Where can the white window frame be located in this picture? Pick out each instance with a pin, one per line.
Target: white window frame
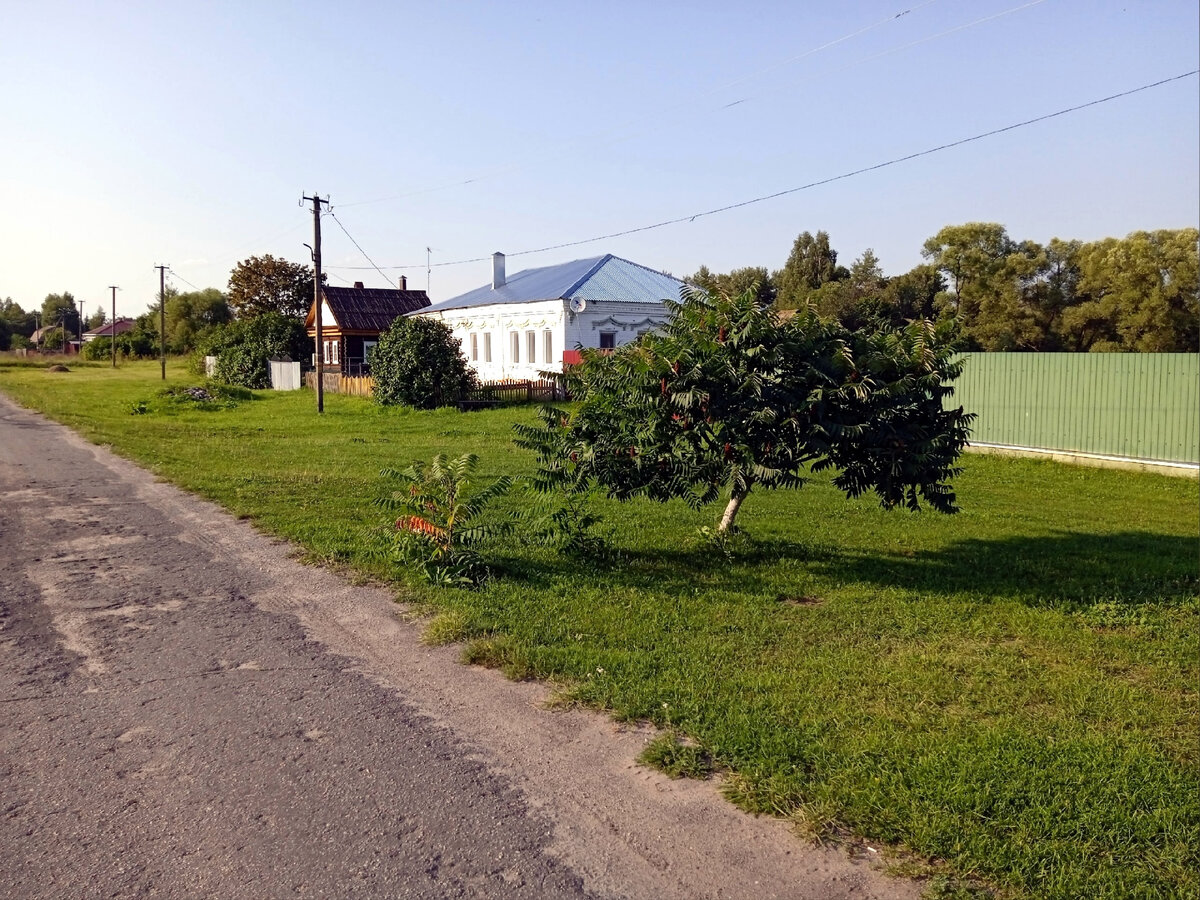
(548, 345)
(514, 341)
(368, 346)
(531, 347)
(487, 346)
(474, 347)
(611, 334)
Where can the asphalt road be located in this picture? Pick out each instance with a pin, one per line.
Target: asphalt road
(162, 735)
(185, 711)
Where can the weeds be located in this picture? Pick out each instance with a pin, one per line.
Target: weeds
(444, 525)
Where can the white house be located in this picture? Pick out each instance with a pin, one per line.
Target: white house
(537, 319)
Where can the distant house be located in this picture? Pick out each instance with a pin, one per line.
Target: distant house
(108, 329)
(353, 318)
(537, 319)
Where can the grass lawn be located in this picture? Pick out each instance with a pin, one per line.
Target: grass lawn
(1013, 690)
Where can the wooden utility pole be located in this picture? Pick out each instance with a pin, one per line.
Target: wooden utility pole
(317, 300)
(112, 328)
(162, 318)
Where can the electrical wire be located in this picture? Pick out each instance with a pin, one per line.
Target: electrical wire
(812, 184)
(175, 274)
(710, 92)
(360, 249)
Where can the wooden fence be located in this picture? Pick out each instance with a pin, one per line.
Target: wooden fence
(488, 394)
(507, 393)
(335, 383)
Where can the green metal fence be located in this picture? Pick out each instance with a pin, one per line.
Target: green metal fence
(1134, 405)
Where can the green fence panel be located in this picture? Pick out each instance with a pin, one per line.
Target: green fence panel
(1135, 405)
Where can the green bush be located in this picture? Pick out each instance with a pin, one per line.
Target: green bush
(243, 347)
(137, 344)
(418, 362)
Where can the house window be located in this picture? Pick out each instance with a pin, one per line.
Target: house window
(368, 349)
(608, 340)
(531, 347)
(474, 347)
(515, 340)
(330, 352)
(548, 345)
(487, 346)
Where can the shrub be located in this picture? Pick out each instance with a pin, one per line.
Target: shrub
(442, 525)
(243, 347)
(418, 362)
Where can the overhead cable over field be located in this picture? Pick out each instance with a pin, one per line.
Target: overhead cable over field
(804, 187)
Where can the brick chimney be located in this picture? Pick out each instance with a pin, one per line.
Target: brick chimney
(358, 285)
(497, 270)
(404, 282)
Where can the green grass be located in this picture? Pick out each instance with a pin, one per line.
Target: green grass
(1012, 690)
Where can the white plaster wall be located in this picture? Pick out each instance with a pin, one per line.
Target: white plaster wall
(502, 321)
(568, 330)
(626, 320)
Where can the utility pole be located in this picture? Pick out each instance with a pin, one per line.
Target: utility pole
(316, 249)
(112, 328)
(162, 318)
(428, 269)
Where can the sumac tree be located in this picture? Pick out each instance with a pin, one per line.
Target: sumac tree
(728, 398)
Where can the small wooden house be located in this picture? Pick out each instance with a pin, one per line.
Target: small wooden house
(353, 318)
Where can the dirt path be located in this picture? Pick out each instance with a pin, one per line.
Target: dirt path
(185, 710)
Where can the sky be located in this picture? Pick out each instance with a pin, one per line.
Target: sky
(185, 133)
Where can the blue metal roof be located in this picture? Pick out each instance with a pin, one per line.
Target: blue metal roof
(607, 278)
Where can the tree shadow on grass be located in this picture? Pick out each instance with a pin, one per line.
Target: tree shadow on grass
(1060, 569)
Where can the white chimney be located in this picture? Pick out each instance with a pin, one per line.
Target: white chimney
(497, 270)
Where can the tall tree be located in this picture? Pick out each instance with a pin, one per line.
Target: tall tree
(192, 315)
(990, 274)
(727, 398)
(98, 318)
(16, 319)
(263, 284)
(1138, 293)
(811, 264)
(58, 309)
(917, 294)
(736, 282)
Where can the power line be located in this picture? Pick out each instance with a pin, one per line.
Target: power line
(175, 274)
(812, 184)
(742, 80)
(902, 47)
(360, 249)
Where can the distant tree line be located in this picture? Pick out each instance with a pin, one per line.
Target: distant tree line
(261, 313)
(1137, 293)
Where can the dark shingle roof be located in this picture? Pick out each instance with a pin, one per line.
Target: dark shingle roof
(371, 309)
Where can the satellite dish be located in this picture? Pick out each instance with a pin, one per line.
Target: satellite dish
(577, 305)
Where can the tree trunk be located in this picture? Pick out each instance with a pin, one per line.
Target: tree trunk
(731, 511)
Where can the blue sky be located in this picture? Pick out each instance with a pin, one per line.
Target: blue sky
(185, 133)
